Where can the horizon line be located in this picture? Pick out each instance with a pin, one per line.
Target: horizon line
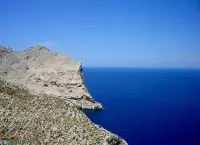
(144, 67)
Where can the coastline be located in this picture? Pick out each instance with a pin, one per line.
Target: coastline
(39, 85)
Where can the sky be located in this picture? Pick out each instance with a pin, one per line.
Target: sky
(107, 33)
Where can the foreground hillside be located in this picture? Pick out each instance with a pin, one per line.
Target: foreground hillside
(41, 98)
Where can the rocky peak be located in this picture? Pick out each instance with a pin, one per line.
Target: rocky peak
(5, 49)
(36, 51)
(7, 59)
(36, 55)
(37, 48)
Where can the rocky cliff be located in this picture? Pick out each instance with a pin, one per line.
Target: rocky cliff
(42, 72)
(41, 96)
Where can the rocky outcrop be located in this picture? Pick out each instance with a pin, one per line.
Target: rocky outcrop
(41, 97)
(42, 72)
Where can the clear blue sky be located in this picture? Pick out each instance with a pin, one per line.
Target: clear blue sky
(141, 33)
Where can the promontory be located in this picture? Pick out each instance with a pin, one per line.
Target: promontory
(42, 95)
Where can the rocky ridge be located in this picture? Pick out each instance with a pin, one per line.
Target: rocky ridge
(41, 97)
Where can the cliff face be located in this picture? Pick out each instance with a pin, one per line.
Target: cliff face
(40, 99)
(42, 72)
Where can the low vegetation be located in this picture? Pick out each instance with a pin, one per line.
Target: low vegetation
(28, 119)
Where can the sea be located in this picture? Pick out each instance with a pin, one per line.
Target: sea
(147, 106)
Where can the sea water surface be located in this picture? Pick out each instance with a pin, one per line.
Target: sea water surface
(147, 106)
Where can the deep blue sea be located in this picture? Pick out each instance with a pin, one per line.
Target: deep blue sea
(147, 106)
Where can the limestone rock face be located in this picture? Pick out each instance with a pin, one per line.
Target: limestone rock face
(42, 72)
(41, 100)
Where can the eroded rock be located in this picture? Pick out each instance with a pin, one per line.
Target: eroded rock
(43, 72)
